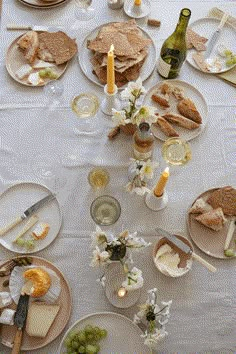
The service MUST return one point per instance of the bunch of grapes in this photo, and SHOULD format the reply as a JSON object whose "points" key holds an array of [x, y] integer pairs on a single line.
{"points": [[28, 244], [47, 72], [230, 57], [85, 341]]}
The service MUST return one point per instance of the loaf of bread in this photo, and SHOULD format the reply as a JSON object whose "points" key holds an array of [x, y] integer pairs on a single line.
{"points": [[40, 318], [166, 127], [187, 108], [181, 121]]}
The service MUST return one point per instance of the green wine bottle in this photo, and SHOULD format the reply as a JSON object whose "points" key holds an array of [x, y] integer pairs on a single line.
{"points": [[173, 51]]}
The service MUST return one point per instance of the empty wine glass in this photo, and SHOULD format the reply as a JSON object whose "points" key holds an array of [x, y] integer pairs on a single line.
{"points": [[53, 90], [84, 11]]}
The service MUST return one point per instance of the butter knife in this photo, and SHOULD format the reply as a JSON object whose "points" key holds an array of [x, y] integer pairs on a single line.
{"points": [[13, 26], [20, 320], [215, 36], [185, 248], [27, 213]]}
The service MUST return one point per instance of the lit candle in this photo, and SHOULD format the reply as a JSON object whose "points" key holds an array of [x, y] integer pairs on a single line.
{"points": [[159, 189], [122, 292], [137, 2], [110, 71]]}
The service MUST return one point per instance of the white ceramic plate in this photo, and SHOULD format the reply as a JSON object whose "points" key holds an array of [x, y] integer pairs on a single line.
{"points": [[38, 4], [85, 55], [14, 201], [205, 27], [190, 92], [15, 59], [137, 11], [123, 335]]}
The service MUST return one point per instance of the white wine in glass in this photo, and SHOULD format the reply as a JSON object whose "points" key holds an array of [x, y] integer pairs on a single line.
{"points": [[98, 178], [176, 151]]}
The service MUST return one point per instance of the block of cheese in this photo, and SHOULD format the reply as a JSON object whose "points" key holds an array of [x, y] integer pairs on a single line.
{"points": [[40, 318]]}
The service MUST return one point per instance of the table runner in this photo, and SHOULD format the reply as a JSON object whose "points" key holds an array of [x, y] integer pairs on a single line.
{"points": [[204, 306]]}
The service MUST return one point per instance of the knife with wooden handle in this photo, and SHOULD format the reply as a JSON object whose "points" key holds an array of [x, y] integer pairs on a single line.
{"points": [[19, 321]]}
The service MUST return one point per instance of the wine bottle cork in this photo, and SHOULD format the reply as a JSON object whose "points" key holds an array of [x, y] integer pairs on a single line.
{"points": [[153, 22]]}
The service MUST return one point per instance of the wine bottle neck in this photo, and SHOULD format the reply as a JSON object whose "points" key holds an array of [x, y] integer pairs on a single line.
{"points": [[183, 21]]}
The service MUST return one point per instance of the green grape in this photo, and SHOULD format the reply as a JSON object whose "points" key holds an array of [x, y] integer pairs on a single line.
{"points": [[229, 62], [103, 333], [75, 344], [227, 53], [89, 337], [234, 59], [53, 76], [42, 73], [82, 337], [82, 349], [30, 244], [91, 349], [67, 341], [88, 329], [20, 242]]}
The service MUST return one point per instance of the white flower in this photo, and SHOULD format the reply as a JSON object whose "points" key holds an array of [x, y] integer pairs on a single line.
{"points": [[99, 258], [98, 237], [144, 114], [141, 190], [136, 319], [134, 280], [133, 90], [119, 117], [136, 242], [147, 169], [102, 281], [151, 339]]}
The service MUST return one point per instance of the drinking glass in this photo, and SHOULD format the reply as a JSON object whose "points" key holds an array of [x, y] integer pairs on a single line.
{"points": [[98, 179], [85, 106], [105, 210], [84, 11], [53, 90], [176, 151]]}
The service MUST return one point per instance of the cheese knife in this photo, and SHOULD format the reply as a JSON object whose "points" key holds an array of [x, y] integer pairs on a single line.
{"points": [[185, 248], [13, 26], [20, 320], [27, 213], [215, 36]]}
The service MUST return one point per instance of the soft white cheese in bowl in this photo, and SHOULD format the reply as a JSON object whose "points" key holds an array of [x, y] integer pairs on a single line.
{"points": [[171, 261]]}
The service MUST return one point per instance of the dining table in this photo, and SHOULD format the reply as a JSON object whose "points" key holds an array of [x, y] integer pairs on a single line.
{"points": [[32, 124]]}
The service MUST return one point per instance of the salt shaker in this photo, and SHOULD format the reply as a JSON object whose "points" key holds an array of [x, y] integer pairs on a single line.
{"points": [[115, 4]]}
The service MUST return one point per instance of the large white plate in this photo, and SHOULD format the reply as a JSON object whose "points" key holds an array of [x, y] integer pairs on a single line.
{"points": [[14, 201], [15, 59], [85, 55], [205, 27], [38, 4], [123, 335], [190, 92]]}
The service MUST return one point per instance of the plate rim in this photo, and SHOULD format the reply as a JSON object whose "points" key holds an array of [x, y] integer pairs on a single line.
{"points": [[84, 47], [137, 17], [188, 226], [95, 314], [59, 209], [192, 87], [24, 2], [188, 55], [69, 292], [7, 54]]}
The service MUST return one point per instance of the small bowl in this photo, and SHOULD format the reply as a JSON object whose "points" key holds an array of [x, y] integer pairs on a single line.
{"points": [[183, 256]]}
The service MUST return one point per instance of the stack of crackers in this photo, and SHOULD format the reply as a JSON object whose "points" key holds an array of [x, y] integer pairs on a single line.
{"points": [[131, 50]]}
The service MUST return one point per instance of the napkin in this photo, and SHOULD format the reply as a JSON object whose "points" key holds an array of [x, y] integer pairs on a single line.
{"points": [[229, 76]]}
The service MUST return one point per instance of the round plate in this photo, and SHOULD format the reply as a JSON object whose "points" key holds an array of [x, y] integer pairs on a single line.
{"points": [[15, 59], [123, 335], [65, 302], [137, 11], [190, 92], [206, 27], [209, 241], [37, 4], [14, 201], [85, 55]]}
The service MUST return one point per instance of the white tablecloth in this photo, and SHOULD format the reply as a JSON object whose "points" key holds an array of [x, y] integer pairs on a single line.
{"points": [[204, 306]]}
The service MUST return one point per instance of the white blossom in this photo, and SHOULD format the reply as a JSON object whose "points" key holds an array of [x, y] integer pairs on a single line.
{"points": [[99, 258], [98, 237], [134, 280], [136, 319], [141, 190], [133, 90], [144, 114], [119, 117], [152, 339], [102, 281], [136, 242], [147, 169]]}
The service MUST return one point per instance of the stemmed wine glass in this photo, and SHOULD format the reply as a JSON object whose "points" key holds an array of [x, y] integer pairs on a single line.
{"points": [[84, 11], [176, 151]]}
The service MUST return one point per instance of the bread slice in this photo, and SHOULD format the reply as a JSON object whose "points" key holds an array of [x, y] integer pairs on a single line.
{"points": [[166, 127], [225, 198], [200, 207], [40, 319], [181, 121], [187, 108], [213, 219], [162, 100]]}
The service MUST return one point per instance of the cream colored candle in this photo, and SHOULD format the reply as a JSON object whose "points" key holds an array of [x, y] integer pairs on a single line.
{"points": [[110, 71], [121, 292], [159, 189], [137, 2]]}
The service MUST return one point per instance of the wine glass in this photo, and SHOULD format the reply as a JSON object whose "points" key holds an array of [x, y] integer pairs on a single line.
{"points": [[98, 179], [53, 90], [84, 11], [105, 210], [176, 152]]}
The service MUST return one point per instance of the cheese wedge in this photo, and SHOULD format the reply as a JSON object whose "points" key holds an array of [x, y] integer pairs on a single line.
{"points": [[23, 71], [34, 79], [40, 318], [41, 64]]}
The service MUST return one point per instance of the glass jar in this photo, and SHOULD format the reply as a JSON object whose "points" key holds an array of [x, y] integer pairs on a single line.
{"points": [[143, 142]]}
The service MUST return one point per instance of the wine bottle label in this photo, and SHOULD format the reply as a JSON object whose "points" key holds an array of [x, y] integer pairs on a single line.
{"points": [[142, 155], [163, 68]]}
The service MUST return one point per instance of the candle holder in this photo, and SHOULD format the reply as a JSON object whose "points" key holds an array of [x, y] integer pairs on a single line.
{"points": [[156, 203], [113, 289], [137, 11], [110, 101]]}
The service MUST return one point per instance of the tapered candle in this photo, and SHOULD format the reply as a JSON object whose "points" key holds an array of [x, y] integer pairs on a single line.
{"points": [[159, 189], [110, 71], [137, 2]]}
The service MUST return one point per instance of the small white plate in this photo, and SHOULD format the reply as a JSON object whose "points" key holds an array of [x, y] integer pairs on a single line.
{"points": [[206, 27], [190, 92], [14, 201], [85, 55], [123, 336], [137, 11], [38, 4]]}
